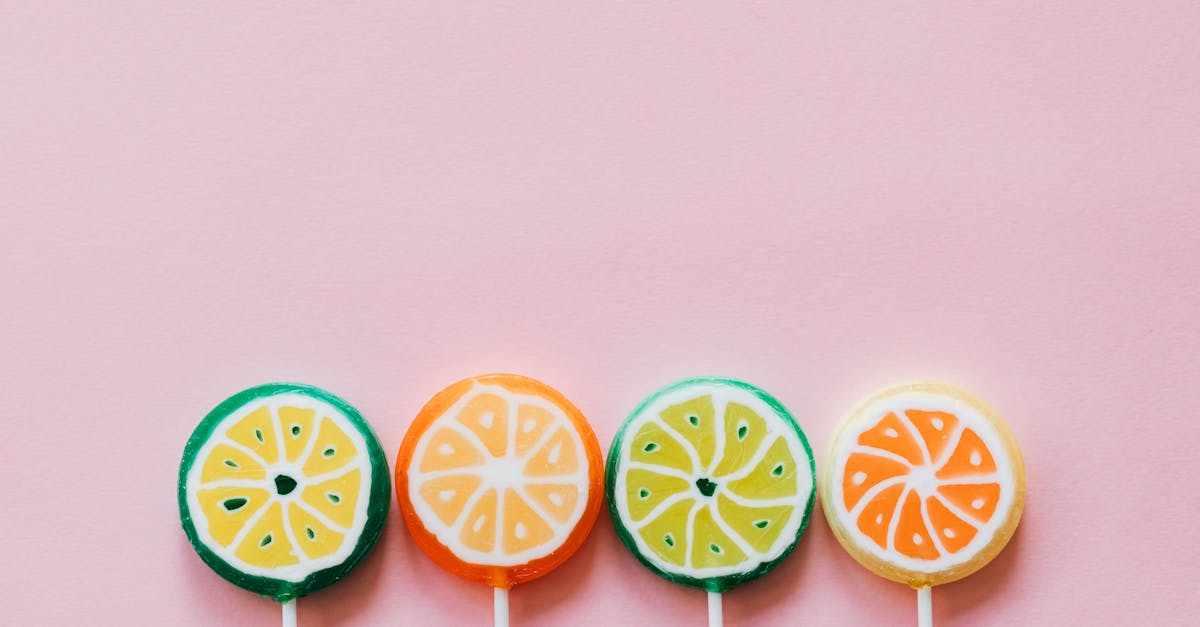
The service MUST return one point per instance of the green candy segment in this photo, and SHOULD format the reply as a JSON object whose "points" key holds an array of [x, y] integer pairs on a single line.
{"points": [[283, 489], [710, 483]]}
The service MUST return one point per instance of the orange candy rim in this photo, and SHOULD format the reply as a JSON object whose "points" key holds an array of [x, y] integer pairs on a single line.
{"points": [[499, 576]]}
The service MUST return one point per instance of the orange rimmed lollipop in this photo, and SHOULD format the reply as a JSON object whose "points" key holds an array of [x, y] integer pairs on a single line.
{"points": [[499, 480]]}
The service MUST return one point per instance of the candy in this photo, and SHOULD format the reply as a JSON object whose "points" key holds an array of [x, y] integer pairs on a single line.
{"points": [[499, 479], [710, 483], [924, 484], [283, 489]]}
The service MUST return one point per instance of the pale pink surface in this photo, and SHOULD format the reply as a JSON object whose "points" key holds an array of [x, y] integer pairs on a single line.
{"points": [[381, 199]]}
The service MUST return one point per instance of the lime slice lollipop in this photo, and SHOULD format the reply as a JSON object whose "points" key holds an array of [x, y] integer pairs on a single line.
{"points": [[710, 484], [283, 490]]}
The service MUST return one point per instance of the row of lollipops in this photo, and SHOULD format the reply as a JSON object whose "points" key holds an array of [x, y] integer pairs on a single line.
{"points": [[710, 483]]}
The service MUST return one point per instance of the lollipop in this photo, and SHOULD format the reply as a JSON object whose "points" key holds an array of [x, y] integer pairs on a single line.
{"points": [[499, 481], [924, 485], [283, 490], [710, 484]]}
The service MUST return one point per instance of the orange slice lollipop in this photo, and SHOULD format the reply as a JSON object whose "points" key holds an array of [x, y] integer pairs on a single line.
{"points": [[499, 479], [924, 483]]}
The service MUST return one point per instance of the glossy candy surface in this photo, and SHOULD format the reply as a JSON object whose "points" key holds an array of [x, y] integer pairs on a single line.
{"points": [[924, 483], [283, 489], [710, 483], [499, 479]]}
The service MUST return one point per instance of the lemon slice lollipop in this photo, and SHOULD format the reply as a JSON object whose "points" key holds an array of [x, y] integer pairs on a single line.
{"points": [[710, 484], [283, 490]]}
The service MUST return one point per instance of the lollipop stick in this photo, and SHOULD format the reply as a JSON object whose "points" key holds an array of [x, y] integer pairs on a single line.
{"points": [[925, 607], [715, 619], [501, 604], [289, 613]]}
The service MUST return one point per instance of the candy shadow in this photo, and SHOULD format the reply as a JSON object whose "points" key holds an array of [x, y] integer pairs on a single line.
{"points": [[343, 601], [208, 595], [968, 597], [759, 602], [533, 602]]}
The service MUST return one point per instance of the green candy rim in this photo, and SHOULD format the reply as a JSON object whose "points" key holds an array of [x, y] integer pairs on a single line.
{"points": [[710, 584], [377, 506]]}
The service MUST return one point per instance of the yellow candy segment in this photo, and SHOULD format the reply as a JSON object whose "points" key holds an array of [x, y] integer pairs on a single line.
{"points": [[645, 489], [744, 432], [227, 462], [228, 509], [653, 445], [694, 419], [336, 497], [332, 451], [711, 547], [667, 535], [256, 432], [773, 477], [758, 526], [297, 426], [267, 544], [315, 539]]}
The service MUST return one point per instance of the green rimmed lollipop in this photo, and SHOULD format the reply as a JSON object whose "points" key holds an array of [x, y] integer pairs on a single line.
{"points": [[710, 483], [283, 490]]}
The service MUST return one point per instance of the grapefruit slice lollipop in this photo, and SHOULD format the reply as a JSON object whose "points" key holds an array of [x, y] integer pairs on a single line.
{"points": [[710, 484], [283, 490], [924, 485], [499, 481]]}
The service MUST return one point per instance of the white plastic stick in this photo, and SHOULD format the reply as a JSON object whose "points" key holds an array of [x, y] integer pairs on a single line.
{"points": [[501, 604], [925, 607], [289, 613], [715, 619]]}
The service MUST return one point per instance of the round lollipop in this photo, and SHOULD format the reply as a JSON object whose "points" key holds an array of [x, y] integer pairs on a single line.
{"points": [[924, 485], [499, 481], [710, 484], [283, 490]]}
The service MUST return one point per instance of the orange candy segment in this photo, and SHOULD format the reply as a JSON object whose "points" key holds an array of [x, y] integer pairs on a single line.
{"points": [[447, 496], [865, 471], [449, 450], [893, 436], [487, 416], [912, 536], [935, 428], [954, 532], [970, 458], [557, 500], [556, 457], [976, 500], [876, 517]]}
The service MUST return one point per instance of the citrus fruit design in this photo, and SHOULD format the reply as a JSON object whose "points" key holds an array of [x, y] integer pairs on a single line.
{"points": [[283, 489], [710, 483], [499, 479], [925, 483]]}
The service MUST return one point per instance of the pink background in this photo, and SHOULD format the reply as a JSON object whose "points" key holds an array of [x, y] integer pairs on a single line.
{"points": [[381, 198]]}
